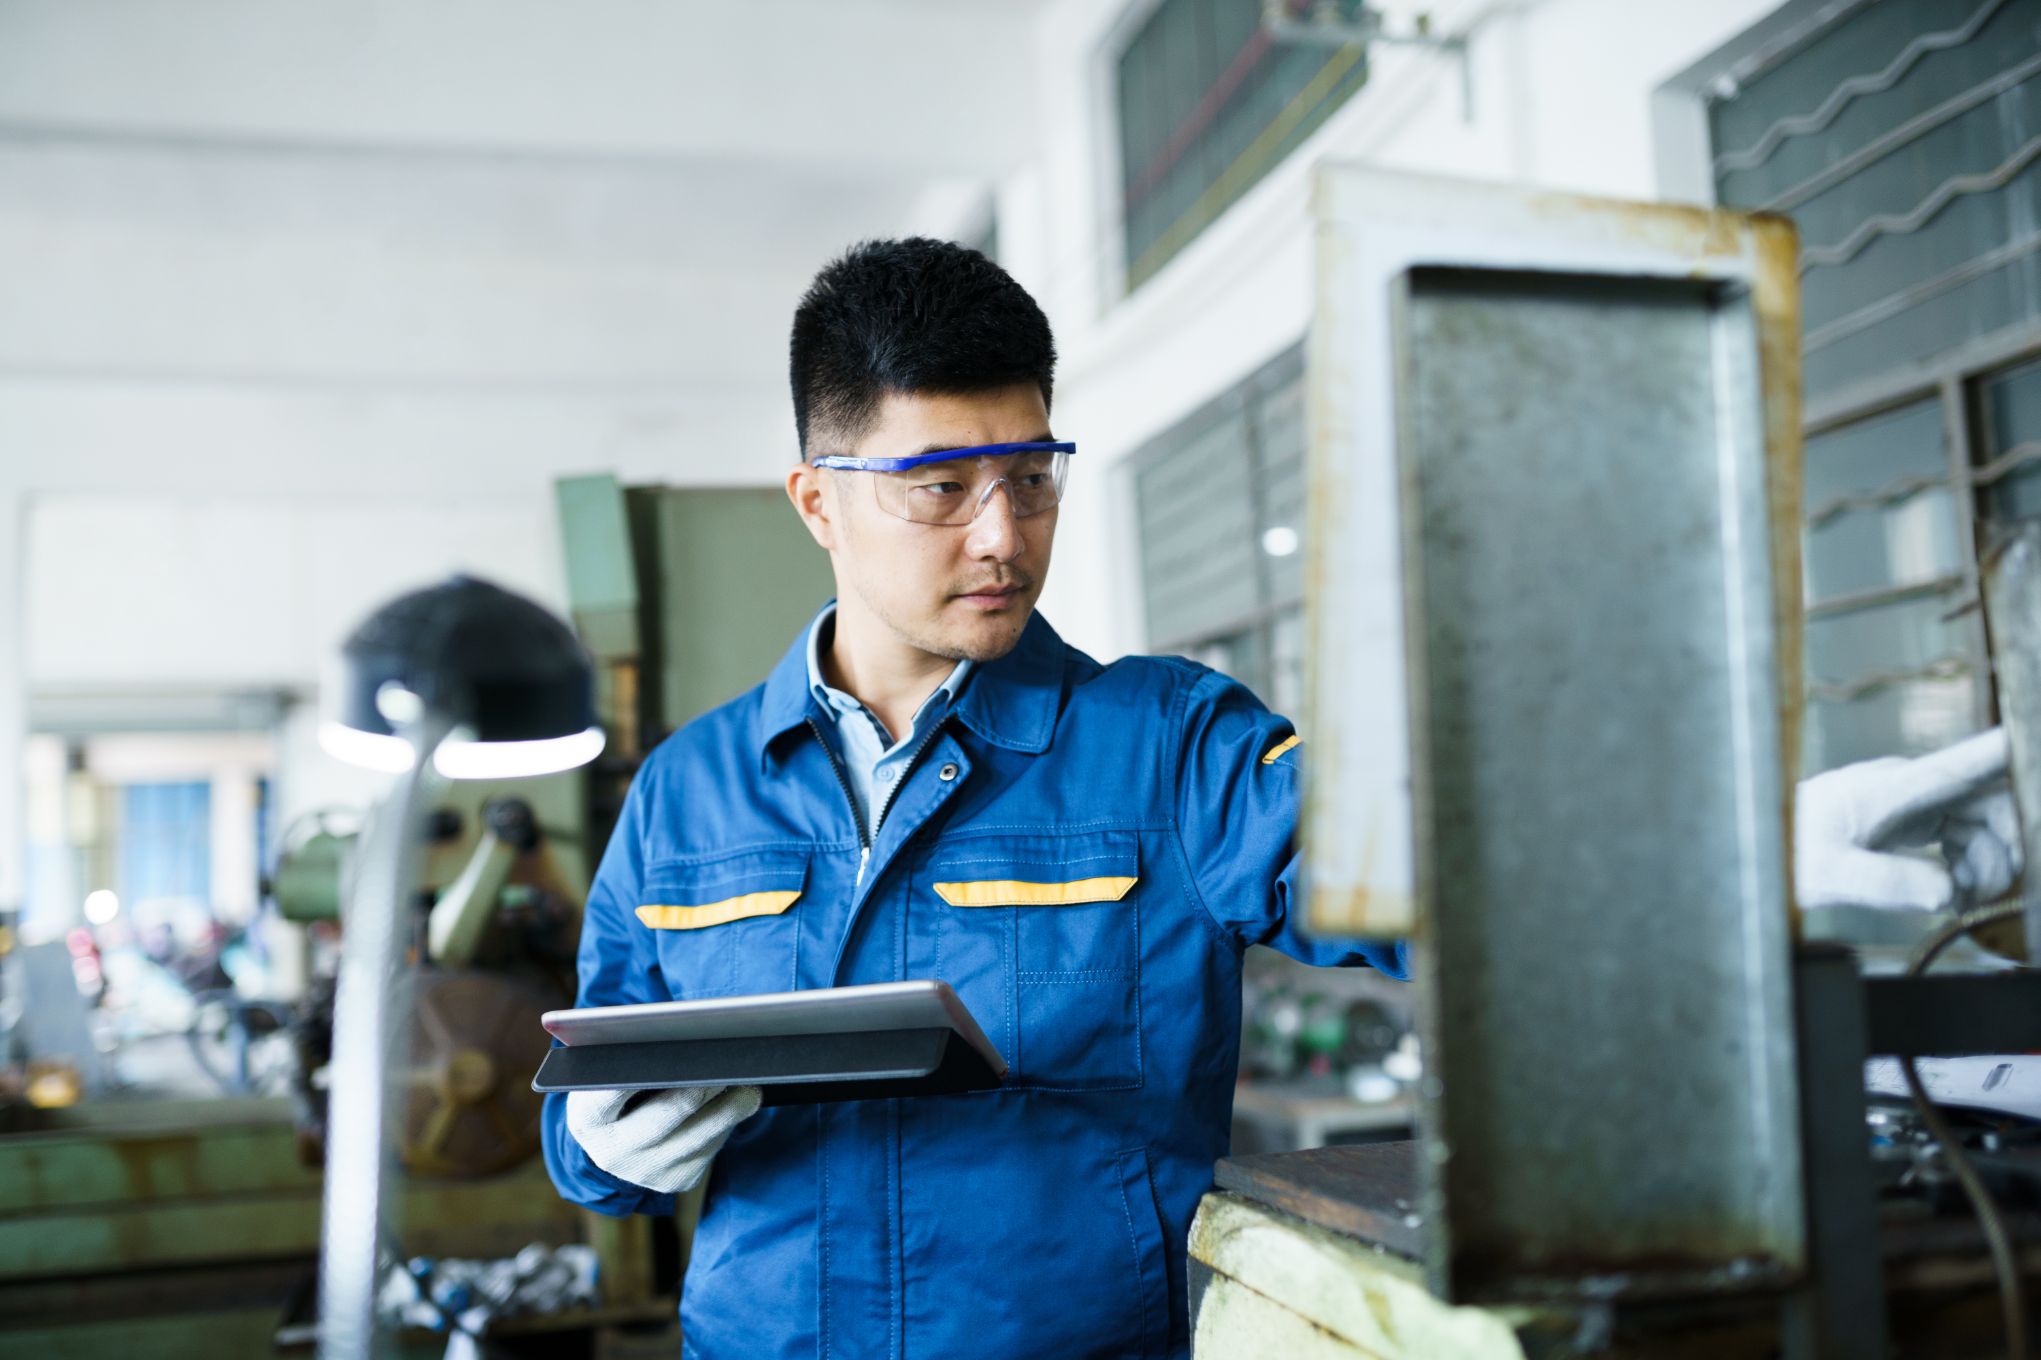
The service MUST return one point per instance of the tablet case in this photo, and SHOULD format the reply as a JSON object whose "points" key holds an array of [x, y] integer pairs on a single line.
{"points": [[802, 1069]]}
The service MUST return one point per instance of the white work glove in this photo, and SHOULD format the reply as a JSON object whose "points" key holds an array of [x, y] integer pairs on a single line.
{"points": [[1849, 825], [662, 1140]]}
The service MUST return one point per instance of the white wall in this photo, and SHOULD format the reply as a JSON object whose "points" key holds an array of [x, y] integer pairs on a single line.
{"points": [[1561, 99], [248, 594], [306, 303]]}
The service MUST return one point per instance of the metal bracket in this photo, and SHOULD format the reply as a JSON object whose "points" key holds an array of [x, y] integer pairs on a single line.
{"points": [[1326, 24]]}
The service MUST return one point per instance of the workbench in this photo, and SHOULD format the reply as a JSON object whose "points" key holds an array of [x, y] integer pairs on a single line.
{"points": [[1291, 1114], [190, 1228], [1318, 1255]]}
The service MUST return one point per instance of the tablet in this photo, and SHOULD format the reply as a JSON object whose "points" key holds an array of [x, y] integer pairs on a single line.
{"points": [[823, 1044]]}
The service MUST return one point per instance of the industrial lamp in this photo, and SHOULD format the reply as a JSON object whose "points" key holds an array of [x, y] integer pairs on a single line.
{"points": [[477, 683]]}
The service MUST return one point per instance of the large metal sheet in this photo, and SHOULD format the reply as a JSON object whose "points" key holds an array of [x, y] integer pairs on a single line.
{"points": [[1595, 769], [1556, 487]]}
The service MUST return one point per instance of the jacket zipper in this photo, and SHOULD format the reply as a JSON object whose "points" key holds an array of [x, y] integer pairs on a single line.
{"points": [[850, 799], [843, 782], [905, 772]]}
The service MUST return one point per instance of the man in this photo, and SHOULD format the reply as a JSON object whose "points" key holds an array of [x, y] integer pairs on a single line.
{"points": [[931, 784]]}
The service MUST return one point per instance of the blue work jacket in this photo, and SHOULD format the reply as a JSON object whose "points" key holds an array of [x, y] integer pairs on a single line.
{"points": [[1083, 852]]}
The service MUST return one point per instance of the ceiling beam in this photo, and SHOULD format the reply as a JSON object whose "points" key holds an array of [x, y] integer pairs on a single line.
{"points": [[904, 87]]}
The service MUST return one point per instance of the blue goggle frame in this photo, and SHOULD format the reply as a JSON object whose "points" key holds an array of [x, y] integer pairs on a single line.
{"points": [[846, 464]]}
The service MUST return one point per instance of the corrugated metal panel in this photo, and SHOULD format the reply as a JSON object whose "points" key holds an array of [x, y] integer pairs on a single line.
{"points": [[1208, 491], [1197, 532], [1279, 437], [1208, 103], [1905, 140]]}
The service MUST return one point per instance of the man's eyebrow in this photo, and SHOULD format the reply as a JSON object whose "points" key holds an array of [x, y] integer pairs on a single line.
{"points": [[1043, 438]]}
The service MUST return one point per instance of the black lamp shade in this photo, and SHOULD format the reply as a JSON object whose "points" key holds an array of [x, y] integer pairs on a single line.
{"points": [[493, 661]]}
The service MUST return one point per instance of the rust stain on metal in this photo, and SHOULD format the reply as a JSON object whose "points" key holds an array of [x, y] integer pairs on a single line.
{"points": [[1680, 227], [1356, 911], [1360, 910], [1775, 297], [1325, 478]]}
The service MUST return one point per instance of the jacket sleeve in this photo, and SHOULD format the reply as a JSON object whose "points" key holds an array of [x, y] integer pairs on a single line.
{"points": [[1239, 794], [617, 966]]}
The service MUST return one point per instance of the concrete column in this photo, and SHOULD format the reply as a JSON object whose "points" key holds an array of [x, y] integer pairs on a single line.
{"points": [[13, 692], [235, 872]]}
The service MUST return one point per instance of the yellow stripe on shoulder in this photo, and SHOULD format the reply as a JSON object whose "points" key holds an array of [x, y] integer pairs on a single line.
{"points": [[1277, 751]]}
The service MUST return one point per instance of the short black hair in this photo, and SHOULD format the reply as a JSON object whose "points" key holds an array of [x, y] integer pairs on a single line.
{"points": [[911, 315]]}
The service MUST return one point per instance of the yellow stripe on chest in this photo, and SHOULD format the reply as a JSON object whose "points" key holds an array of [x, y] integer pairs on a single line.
{"points": [[1009, 893], [717, 913]]}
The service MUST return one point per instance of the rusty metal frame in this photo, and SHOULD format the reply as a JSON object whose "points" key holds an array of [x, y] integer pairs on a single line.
{"points": [[1372, 226], [1610, 1107]]}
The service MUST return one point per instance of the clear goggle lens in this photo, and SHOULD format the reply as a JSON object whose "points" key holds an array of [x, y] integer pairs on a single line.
{"points": [[954, 491]]}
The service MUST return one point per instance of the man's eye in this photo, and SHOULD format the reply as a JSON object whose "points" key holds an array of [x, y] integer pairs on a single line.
{"points": [[1032, 480], [940, 488]]}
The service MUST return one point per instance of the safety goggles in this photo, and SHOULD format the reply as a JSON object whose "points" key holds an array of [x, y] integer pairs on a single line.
{"points": [[950, 486]]}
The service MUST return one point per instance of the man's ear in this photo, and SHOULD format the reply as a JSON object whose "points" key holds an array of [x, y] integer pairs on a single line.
{"points": [[807, 488]]}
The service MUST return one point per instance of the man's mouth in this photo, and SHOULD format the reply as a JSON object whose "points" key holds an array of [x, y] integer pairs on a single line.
{"points": [[989, 595]]}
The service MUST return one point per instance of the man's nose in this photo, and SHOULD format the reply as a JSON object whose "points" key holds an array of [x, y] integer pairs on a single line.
{"points": [[994, 532]]}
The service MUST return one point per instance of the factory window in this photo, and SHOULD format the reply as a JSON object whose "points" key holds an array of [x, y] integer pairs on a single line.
{"points": [[166, 841], [1220, 502], [1209, 102], [1902, 139]]}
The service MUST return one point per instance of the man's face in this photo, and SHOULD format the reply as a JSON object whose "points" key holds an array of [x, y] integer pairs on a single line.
{"points": [[952, 591]]}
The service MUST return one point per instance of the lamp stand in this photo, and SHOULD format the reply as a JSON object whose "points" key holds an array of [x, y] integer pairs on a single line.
{"points": [[369, 1048]]}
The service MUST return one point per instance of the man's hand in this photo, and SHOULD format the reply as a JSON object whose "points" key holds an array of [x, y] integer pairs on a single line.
{"points": [[1849, 824], [662, 1140]]}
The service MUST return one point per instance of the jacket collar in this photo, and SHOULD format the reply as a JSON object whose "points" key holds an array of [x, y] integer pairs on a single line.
{"points": [[1010, 702]]}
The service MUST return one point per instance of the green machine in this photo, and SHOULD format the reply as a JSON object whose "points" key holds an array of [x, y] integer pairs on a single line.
{"points": [[174, 1228], [686, 598], [501, 890]]}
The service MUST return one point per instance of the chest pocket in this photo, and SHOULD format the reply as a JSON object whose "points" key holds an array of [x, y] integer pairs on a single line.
{"points": [[729, 926], [1040, 935]]}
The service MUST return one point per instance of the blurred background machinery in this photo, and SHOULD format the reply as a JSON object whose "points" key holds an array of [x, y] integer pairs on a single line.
{"points": [[136, 1223], [166, 1195]]}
